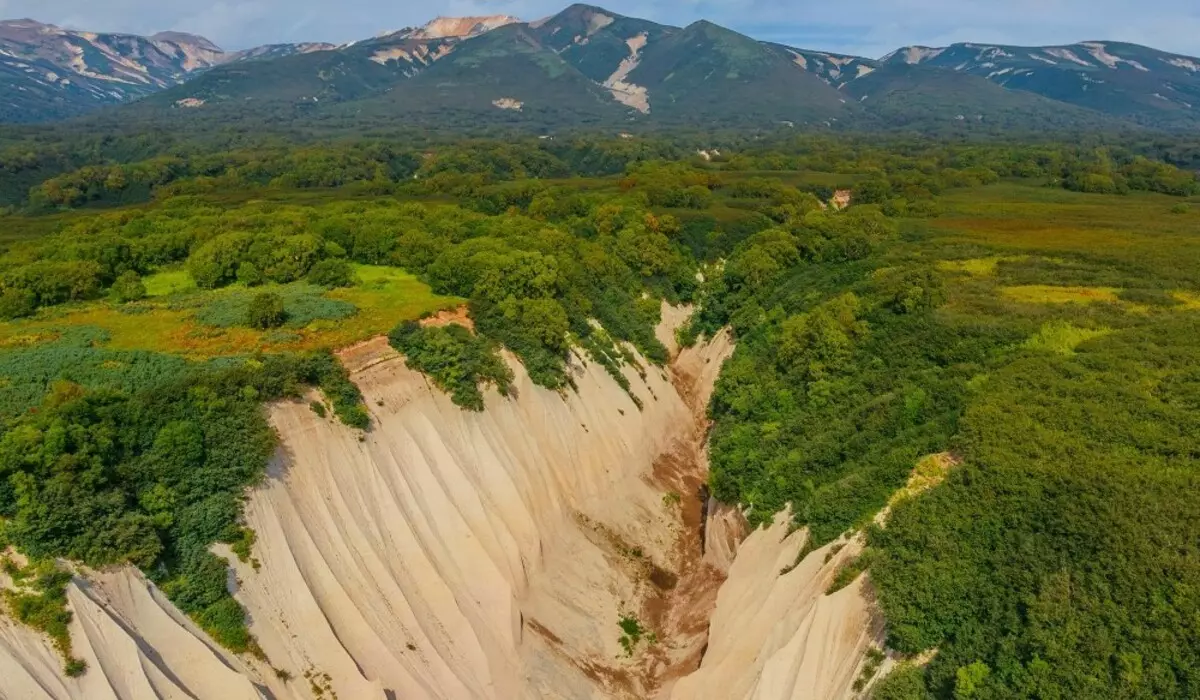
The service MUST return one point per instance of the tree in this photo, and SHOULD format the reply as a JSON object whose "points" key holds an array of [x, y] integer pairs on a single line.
{"points": [[249, 274], [969, 679], [266, 311], [872, 191], [128, 287], [543, 320], [821, 342], [905, 683], [332, 273], [216, 262], [16, 302], [915, 290]]}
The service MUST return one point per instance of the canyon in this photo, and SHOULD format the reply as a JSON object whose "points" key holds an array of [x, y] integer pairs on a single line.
{"points": [[554, 545]]}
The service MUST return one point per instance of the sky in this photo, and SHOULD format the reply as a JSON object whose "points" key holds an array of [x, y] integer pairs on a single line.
{"points": [[861, 27]]}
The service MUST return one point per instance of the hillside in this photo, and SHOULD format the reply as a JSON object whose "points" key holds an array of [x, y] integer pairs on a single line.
{"points": [[1123, 80], [49, 73], [913, 95], [504, 74], [708, 72]]}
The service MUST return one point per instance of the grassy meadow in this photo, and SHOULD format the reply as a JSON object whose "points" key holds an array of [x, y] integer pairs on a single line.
{"points": [[171, 319]]}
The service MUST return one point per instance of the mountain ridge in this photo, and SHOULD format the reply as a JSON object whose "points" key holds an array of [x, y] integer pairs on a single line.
{"points": [[589, 63]]}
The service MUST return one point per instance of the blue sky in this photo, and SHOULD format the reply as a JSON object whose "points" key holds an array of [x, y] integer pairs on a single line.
{"points": [[865, 27]]}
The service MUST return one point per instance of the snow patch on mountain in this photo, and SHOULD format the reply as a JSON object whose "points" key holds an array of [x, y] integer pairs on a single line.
{"points": [[396, 53]]}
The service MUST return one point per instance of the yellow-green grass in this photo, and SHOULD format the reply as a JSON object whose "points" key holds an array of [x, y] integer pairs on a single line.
{"points": [[384, 297], [978, 267], [1189, 300], [1062, 337], [1049, 294], [169, 282], [1136, 230], [931, 471]]}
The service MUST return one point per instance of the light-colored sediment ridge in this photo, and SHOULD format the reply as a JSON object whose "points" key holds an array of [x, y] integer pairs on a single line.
{"points": [[136, 645], [455, 555], [775, 634], [450, 554], [629, 94]]}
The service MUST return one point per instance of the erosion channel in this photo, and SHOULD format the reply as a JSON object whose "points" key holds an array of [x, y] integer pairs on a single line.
{"points": [[551, 546]]}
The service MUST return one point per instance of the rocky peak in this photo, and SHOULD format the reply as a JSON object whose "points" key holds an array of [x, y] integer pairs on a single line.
{"points": [[185, 39], [461, 27]]}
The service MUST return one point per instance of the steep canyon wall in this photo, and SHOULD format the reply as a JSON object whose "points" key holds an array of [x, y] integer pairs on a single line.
{"points": [[456, 555]]}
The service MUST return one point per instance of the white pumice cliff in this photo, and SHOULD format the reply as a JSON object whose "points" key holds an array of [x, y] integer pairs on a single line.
{"points": [[456, 555]]}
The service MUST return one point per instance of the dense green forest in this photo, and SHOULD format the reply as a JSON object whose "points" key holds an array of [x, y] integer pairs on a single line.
{"points": [[1029, 308], [48, 167], [1047, 340]]}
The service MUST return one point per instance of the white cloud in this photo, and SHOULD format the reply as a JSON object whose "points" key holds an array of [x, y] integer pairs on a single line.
{"points": [[868, 27]]}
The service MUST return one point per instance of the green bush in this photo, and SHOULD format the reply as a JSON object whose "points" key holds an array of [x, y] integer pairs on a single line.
{"points": [[906, 682], [335, 382], [41, 603], [128, 287], [154, 476], [455, 359], [331, 273], [266, 311], [632, 633], [249, 274], [78, 355], [303, 303], [17, 303], [1071, 480]]}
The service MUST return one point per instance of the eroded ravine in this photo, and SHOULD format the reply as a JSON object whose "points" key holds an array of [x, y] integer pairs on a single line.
{"points": [[454, 554], [461, 555]]}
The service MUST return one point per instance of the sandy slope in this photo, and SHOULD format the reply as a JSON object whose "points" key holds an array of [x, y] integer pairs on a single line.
{"points": [[450, 554], [455, 555], [136, 644], [776, 635]]}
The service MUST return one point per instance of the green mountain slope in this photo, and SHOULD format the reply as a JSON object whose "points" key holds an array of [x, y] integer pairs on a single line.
{"points": [[1134, 82], [327, 76], [901, 95], [708, 72], [595, 40], [507, 75]]}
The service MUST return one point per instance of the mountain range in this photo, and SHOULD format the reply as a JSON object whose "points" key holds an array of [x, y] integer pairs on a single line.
{"points": [[586, 65]]}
